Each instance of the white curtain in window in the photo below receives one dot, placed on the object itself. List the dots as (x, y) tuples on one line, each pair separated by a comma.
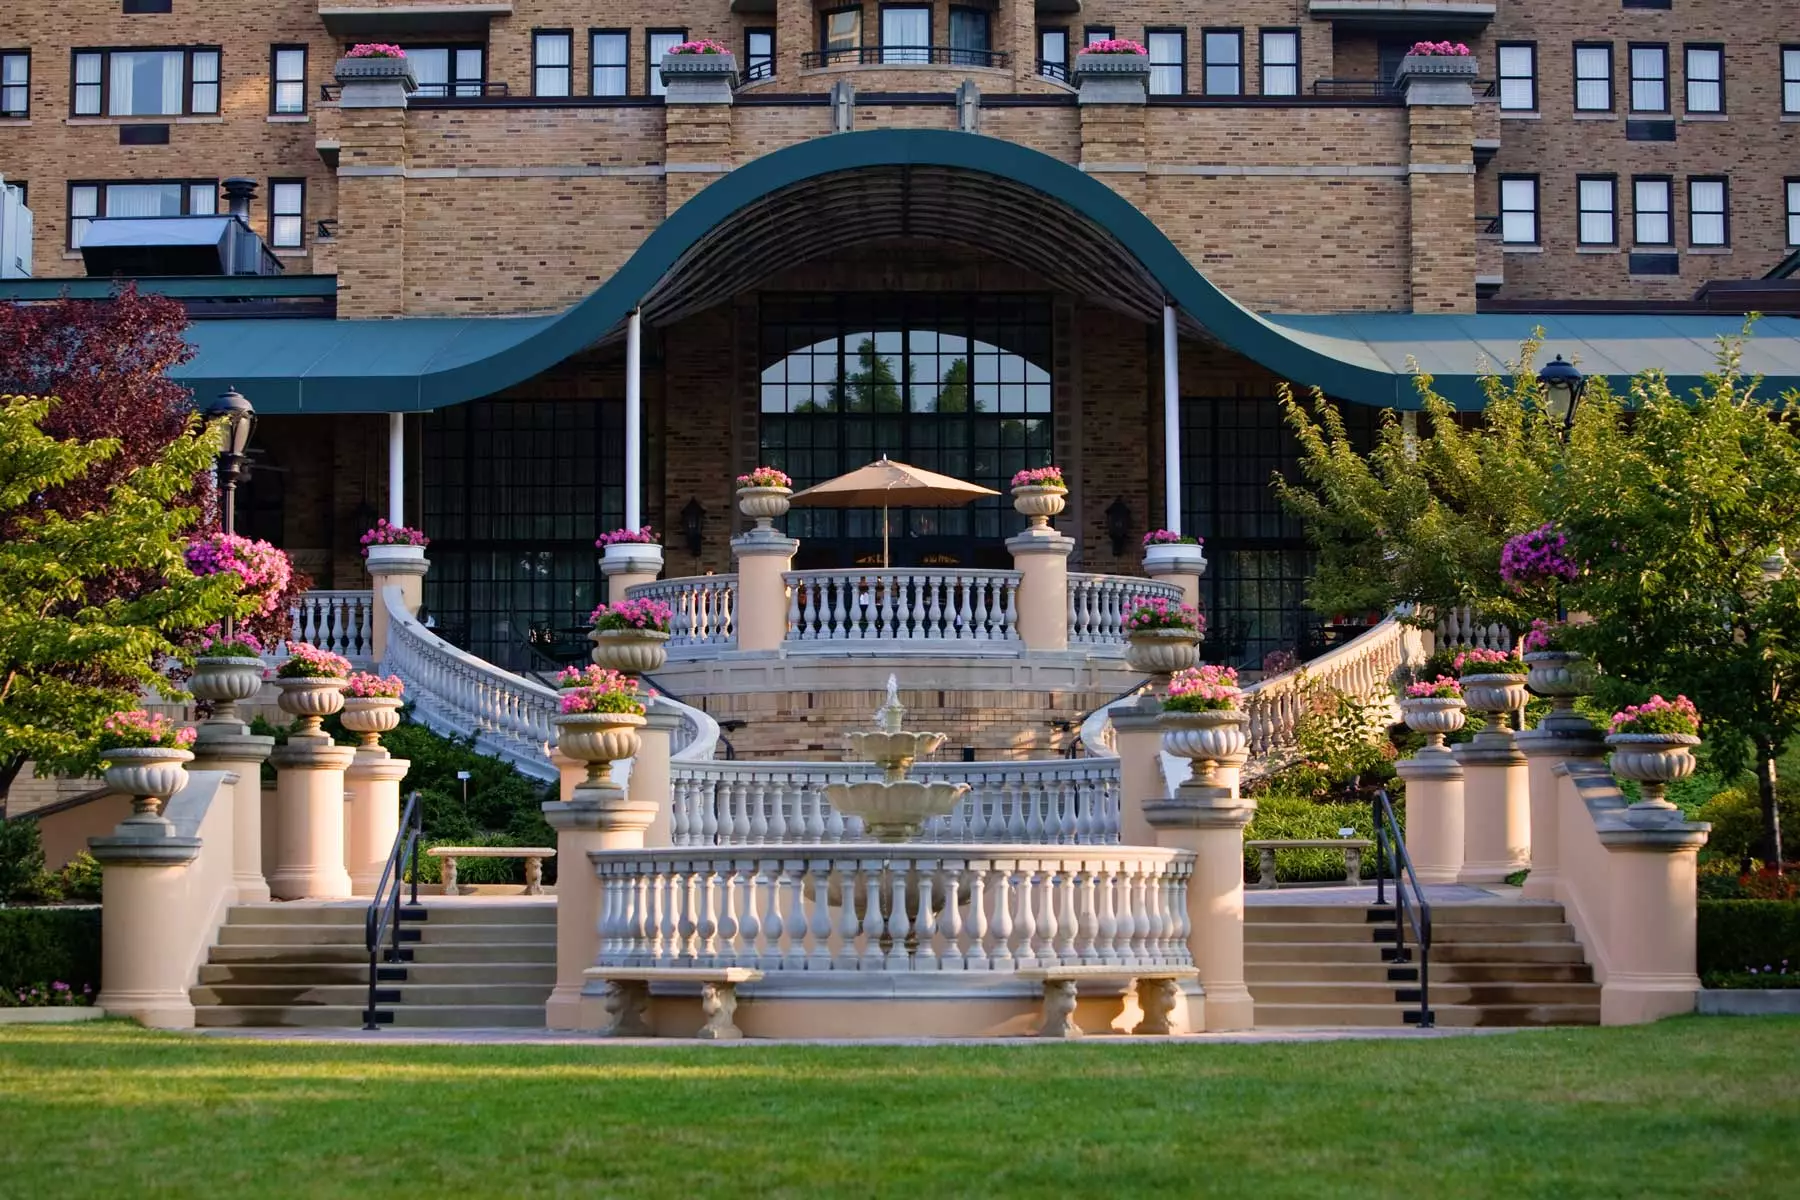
[(1650, 202), (1518, 211), (432, 67), (143, 200), (285, 203), (1593, 78), (1706, 208), (84, 203), (1790, 81), (552, 65), (1597, 212), (206, 80), (905, 35), (661, 44), (609, 64), (1793, 213), (1166, 53), (1517, 72), (87, 84), (1648, 90), (146, 83), (1281, 64), (1704, 71), (203, 199)]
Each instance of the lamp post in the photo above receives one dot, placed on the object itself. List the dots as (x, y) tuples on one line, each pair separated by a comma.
[(240, 423), (1118, 524), (693, 524), (1563, 385)]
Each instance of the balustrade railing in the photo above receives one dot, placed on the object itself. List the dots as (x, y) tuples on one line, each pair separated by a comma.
[(705, 608), (1099, 604), (1066, 801), (1462, 629), (894, 908), (339, 621), (970, 608), (1363, 668)]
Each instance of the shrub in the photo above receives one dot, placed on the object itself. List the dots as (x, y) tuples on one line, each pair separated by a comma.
[(1736, 934), (21, 861), (477, 870), (1282, 816), (1737, 824), (39, 945)]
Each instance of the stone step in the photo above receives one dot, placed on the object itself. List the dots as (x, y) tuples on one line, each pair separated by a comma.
[(305, 912), (1483, 995), (350, 1016), (393, 974), (353, 935), (1320, 1016), (395, 996), (1452, 952), (1300, 971), (1497, 913), (1441, 933)]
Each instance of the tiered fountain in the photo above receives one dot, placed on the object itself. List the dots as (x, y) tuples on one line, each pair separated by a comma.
[(894, 808)]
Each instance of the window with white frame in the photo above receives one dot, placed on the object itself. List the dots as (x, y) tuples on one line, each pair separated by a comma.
[(1519, 210), (15, 83), (1596, 204), (1652, 211), (1705, 70), (1793, 212), (1168, 61), (144, 198), (1224, 62), (1518, 76), (552, 62), (1280, 62), (608, 54), (287, 79), (1709, 220), (146, 83), (1650, 78), (1790, 80), (1593, 77), (658, 42), (287, 213)]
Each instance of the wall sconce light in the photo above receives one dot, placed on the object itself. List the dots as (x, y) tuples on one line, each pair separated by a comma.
[(693, 524), (1118, 524)]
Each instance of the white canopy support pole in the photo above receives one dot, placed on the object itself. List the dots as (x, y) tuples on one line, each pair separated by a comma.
[(634, 420), (396, 513), (1171, 424)]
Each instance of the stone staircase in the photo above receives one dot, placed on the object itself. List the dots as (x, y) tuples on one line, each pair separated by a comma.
[(1496, 963), (469, 965)]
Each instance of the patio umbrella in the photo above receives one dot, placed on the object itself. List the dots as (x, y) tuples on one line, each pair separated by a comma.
[(888, 483)]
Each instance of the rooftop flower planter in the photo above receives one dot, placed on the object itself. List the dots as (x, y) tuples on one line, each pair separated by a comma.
[(702, 72), (375, 75), (1116, 71)]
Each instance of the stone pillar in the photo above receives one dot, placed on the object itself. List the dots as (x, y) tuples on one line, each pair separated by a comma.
[(1178, 565), (371, 815), (309, 813), (649, 782), (796, 32), (596, 819), (403, 567), (230, 746), (1017, 21), (1210, 820), (1434, 814), (762, 600), (1113, 92), (627, 564), (1543, 750), (371, 191), (1496, 804), (1138, 738), (1041, 556), (143, 895), (1651, 856), (697, 128), (1441, 182)]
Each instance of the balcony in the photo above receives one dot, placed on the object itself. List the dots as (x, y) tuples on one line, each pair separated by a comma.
[(902, 56), (399, 18)]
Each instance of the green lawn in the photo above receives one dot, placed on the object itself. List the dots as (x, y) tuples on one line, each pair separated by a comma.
[(1690, 1107)]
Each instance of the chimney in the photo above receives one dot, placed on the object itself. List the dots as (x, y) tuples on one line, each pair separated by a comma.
[(238, 194)]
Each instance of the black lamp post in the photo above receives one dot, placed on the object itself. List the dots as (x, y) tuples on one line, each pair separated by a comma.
[(240, 423), (693, 524), (1118, 524), (1563, 385)]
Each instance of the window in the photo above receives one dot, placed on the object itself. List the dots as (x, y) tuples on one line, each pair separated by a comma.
[(1280, 62), (1096, 33), (1053, 53), (287, 79), (1649, 78), (448, 70), (1596, 202), (1593, 77), (970, 44), (15, 83), (608, 50), (552, 62), (146, 83), (1519, 210), (905, 34), (1652, 203), (1224, 62), (658, 42), (1790, 79), (759, 54), (1793, 212), (1705, 79), (133, 8), (1518, 76), (1709, 218), (287, 213), (843, 35), (1168, 61), (154, 198)]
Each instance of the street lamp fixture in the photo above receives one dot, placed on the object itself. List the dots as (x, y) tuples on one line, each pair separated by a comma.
[(1118, 524), (1563, 385), (693, 524), (240, 422)]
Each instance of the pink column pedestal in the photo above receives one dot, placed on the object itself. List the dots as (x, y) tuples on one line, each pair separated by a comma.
[(1041, 556), (627, 564), (1544, 750), (761, 616), (143, 894), (371, 815), (1496, 807), (309, 814), (1434, 814), (231, 747), (596, 819), (1139, 742), (1210, 820), (1651, 863)]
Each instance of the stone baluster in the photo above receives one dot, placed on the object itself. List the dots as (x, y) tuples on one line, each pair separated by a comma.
[(950, 923), (818, 952), (978, 957)]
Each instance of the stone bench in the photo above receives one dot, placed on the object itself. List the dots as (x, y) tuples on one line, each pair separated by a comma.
[(1157, 990), (627, 999), (1352, 847), (534, 857)]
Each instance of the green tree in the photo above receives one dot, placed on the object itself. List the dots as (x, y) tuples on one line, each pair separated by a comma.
[(871, 387), (74, 647), (953, 391)]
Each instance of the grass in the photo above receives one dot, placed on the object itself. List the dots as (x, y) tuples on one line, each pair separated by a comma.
[(1689, 1107)]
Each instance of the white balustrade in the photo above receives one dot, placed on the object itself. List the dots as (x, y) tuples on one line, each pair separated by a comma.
[(1461, 629), (915, 907), (705, 609), (1099, 604), (339, 621), (1364, 668), (970, 608), (1070, 801)]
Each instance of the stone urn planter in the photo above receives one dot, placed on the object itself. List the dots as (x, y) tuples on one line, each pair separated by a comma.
[(1174, 558), (1206, 738), (1039, 504), (632, 558), (222, 682), (633, 651), (371, 716), (1434, 716), (1494, 693), (764, 504), (1162, 651), (1652, 761), (599, 740), (1560, 676), (396, 560), (149, 775), (311, 699)]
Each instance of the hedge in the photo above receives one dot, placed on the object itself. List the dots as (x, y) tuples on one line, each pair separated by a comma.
[(47, 945), (1297, 817), (1736, 934)]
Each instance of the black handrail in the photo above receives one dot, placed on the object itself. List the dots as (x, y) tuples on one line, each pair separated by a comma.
[(1413, 910), (902, 56), (382, 923), (1374, 89)]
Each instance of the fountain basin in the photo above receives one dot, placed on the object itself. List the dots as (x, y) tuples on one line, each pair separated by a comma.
[(894, 811)]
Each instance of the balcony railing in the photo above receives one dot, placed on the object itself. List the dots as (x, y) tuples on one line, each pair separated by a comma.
[(1053, 70), (1355, 89), (705, 608), (762, 68), (903, 56), (1099, 604), (970, 608), (339, 621), (331, 92)]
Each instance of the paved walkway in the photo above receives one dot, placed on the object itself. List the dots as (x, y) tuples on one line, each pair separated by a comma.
[(541, 1037), (1436, 893)]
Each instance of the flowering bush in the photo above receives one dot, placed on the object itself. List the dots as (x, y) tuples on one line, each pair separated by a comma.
[(765, 477), (1114, 46), (1439, 50), (652, 615), (1658, 716), (375, 50), (1544, 636), (1279, 662), (620, 537), (1487, 662), (140, 730), (309, 662), (212, 643), (50, 995), (1441, 688), (1202, 689), (1159, 613), (1044, 477), (1168, 537), (265, 572), (703, 46), (603, 691), (588, 676), (385, 534), (1537, 558), (368, 685)]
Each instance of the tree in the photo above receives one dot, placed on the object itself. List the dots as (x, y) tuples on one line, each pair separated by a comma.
[(953, 390), (73, 647), (872, 387)]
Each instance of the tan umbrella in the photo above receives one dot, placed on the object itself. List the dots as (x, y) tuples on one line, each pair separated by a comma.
[(888, 483)]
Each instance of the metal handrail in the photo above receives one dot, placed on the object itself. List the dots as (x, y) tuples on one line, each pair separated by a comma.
[(760, 69), (1412, 911), (382, 922), (891, 56), (1372, 88), (1058, 71)]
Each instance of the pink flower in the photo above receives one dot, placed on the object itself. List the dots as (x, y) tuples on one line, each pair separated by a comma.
[(1168, 537), (1159, 612), (366, 684), (264, 572), (1441, 688), (1044, 477), (307, 661), (1658, 716), (1114, 46), (1487, 662), (619, 537), (1537, 558), (602, 691), (702, 46), (1198, 689), (385, 534), (1439, 50), (652, 615), (375, 50), (765, 477), (137, 729)]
